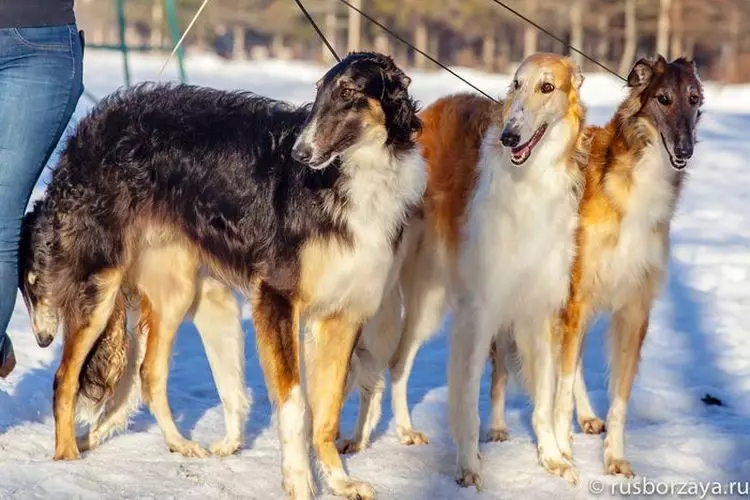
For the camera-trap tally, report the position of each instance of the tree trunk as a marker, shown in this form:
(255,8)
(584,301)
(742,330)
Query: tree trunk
(576,30)
(157,24)
(355,27)
(488,51)
(421,37)
(382,44)
(730,48)
(677,29)
(530,35)
(330,31)
(631,38)
(663,27)
(602,48)
(238,42)
(504,50)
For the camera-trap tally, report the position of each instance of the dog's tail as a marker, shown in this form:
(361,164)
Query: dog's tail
(108,358)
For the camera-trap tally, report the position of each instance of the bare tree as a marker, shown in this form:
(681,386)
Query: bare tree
(530,35)
(662,30)
(576,29)
(631,37)
(355,27)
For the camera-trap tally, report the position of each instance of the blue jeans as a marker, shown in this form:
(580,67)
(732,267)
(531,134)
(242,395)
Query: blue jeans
(40,83)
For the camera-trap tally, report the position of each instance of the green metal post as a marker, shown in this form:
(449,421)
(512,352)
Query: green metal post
(123,44)
(174,28)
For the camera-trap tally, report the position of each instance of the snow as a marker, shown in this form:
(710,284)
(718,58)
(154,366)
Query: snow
(698,344)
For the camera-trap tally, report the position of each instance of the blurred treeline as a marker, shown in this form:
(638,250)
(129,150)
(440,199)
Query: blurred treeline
(472,33)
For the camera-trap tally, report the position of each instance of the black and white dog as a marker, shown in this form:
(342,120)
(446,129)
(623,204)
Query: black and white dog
(302,206)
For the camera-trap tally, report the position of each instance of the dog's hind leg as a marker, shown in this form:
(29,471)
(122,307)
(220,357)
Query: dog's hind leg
(81,333)
(424,281)
(333,342)
(167,280)
(498,428)
(217,317)
(376,345)
(587,419)
(276,322)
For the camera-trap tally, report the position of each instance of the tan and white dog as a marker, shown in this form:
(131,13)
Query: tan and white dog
(500,211)
(634,177)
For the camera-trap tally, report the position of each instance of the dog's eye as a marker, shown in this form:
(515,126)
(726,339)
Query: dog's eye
(516,85)
(347,93)
(664,100)
(694,100)
(546,88)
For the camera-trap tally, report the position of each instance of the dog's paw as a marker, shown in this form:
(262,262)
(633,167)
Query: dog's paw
(67,453)
(559,466)
(498,435)
(466,478)
(349,446)
(189,449)
(86,442)
(618,466)
(410,437)
(593,425)
(354,490)
(225,446)
(297,489)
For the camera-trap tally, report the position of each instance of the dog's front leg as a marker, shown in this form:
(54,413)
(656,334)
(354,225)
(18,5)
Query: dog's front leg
(327,367)
(472,333)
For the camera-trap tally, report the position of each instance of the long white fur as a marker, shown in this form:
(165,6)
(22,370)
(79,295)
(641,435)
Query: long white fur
(514,269)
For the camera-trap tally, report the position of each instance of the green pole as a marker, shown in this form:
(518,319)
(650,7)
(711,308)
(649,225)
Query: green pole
(123,45)
(174,28)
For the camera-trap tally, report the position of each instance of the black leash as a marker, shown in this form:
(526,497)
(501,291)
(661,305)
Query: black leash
(317,30)
(401,39)
(554,37)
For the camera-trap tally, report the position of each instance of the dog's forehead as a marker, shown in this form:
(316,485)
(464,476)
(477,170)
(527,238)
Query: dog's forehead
(544,67)
(680,77)
(358,69)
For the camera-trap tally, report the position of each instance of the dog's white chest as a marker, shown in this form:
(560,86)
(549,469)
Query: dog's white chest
(380,194)
(641,247)
(522,244)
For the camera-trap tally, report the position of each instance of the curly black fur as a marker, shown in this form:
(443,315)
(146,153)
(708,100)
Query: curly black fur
(215,164)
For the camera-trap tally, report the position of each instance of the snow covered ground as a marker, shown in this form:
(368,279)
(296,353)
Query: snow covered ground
(698,344)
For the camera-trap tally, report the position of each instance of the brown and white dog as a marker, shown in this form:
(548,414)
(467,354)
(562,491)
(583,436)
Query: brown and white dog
(500,211)
(634,176)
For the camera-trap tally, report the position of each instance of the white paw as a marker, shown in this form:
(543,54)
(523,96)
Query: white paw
(187,448)
(618,466)
(410,437)
(354,490)
(466,478)
(87,442)
(559,466)
(225,446)
(298,489)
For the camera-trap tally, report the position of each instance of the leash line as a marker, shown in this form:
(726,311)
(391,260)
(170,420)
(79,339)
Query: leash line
(317,30)
(182,38)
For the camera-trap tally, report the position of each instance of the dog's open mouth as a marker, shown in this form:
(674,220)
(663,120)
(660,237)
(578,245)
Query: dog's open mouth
(520,154)
(677,163)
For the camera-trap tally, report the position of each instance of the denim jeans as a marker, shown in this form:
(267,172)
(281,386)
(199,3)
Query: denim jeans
(40,83)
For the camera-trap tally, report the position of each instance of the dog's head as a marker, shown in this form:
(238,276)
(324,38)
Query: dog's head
(363,98)
(34,274)
(543,92)
(668,96)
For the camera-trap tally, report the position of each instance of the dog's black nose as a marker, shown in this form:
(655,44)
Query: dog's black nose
(510,139)
(683,152)
(302,154)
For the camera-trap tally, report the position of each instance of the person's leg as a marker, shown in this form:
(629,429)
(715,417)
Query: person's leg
(40,83)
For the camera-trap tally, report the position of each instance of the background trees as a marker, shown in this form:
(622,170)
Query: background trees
(474,33)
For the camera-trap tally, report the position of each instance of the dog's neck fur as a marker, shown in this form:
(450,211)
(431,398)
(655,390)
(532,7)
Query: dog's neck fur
(381,187)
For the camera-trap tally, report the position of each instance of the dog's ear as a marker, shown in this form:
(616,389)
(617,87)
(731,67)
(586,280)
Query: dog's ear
(577,77)
(641,73)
